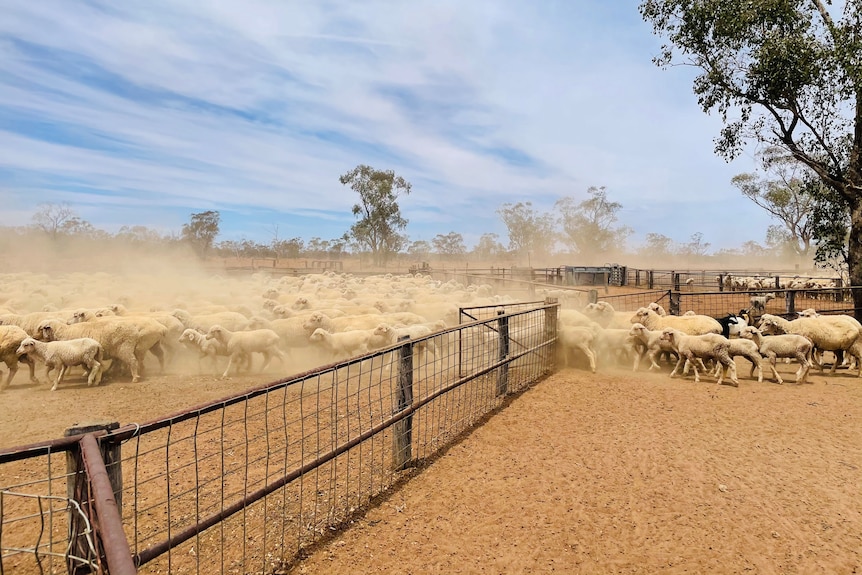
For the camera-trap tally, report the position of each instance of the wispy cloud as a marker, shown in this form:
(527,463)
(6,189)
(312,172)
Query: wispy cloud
(143,112)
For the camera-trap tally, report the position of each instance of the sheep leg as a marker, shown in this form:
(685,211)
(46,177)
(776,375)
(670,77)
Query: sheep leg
(778,379)
(804,368)
(230,363)
(591,355)
(95,369)
(729,364)
(653,355)
(157,351)
(13,369)
(32,363)
(60,377)
(679,364)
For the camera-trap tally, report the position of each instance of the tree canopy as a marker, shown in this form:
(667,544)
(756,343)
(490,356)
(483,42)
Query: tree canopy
(789,196)
(529,230)
(588,225)
(783,73)
(379,216)
(201,231)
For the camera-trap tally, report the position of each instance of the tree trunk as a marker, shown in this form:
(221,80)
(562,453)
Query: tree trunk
(854,256)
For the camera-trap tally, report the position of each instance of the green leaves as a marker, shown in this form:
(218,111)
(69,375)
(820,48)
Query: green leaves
(378,213)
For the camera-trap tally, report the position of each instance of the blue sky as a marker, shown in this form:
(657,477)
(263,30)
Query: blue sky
(143,112)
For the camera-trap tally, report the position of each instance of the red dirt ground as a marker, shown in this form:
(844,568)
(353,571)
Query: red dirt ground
(608,473)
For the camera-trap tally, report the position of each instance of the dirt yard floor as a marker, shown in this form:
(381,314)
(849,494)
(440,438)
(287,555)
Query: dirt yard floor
(606,473)
(616,473)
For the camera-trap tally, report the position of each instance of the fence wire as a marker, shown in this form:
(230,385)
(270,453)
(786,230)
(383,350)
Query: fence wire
(246,484)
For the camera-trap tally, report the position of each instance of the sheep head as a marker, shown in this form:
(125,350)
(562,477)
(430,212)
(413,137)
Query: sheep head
(26,346)
(216,332)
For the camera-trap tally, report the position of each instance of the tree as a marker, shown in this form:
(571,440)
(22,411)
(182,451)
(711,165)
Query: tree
(529,231)
(419,249)
(657,245)
(201,231)
(780,73)
(696,247)
(488,246)
(452,244)
(287,248)
(588,225)
(59,219)
(379,216)
(789,198)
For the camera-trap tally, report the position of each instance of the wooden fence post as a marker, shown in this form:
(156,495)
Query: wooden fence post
(790,302)
(650,279)
(402,431)
(503,334)
(78,489)
(593,296)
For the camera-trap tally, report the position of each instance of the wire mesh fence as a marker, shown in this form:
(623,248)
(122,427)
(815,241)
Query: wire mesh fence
(246,484)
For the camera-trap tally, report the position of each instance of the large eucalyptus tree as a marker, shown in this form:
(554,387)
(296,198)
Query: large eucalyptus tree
(784,73)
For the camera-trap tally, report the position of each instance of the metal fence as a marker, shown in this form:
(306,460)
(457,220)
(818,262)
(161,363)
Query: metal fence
(246,484)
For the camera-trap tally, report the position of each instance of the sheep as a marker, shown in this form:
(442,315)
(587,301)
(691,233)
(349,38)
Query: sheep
(689,324)
(690,348)
(572,337)
(11,337)
(614,343)
(605,315)
(750,351)
(242,343)
(731,324)
(385,335)
(211,348)
(343,344)
(654,344)
(656,307)
(758,302)
(84,351)
(827,333)
(119,339)
(148,328)
(228,319)
(784,345)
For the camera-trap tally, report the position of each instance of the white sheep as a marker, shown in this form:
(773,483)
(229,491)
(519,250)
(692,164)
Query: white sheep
(750,351)
(614,344)
(576,337)
(656,307)
(689,324)
(758,302)
(827,333)
(243,343)
(605,315)
(83,351)
(119,339)
(11,337)
(385,335)
(691,348)
(654,344)
(343,344)
(206,348)
(785,345)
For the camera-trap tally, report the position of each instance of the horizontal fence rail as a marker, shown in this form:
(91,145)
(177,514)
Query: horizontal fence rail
(245,484)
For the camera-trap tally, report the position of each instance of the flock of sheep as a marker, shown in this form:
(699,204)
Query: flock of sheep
(221,324)
(226,325)
(600,332)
